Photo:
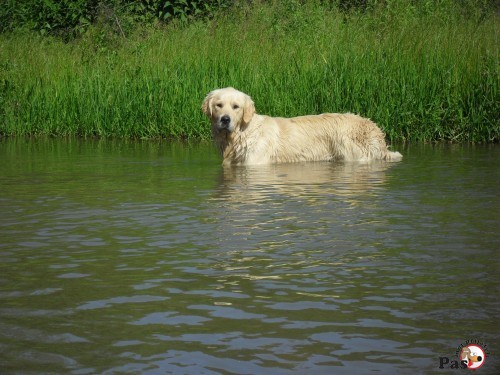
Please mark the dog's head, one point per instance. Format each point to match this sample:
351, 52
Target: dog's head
467, 355
228, 109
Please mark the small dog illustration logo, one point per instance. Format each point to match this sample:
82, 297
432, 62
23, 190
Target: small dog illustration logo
470, 354
473, 355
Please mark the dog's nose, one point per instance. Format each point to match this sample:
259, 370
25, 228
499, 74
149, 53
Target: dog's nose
225, 120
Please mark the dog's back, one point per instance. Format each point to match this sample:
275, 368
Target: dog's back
329, 136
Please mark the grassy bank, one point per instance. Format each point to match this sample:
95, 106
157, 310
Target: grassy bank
423, 73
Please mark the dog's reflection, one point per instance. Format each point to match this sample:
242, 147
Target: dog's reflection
274, 220
310, 181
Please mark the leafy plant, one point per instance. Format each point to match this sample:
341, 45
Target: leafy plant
70, 18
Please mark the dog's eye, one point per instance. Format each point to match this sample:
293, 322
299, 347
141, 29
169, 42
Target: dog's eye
236, 106
218, 105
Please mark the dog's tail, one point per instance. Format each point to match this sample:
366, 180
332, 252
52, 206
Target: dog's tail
393, 156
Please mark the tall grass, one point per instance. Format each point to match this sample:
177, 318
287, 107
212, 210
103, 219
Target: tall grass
423, 73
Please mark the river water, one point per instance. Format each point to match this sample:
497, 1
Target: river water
150, 258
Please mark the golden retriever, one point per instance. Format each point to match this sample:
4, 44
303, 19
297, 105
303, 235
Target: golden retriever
245, 137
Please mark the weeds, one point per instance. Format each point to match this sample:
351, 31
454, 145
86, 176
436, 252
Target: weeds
423, 73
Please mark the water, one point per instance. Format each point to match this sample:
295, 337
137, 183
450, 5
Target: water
129, 257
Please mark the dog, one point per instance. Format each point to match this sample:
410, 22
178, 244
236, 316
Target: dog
469, 357
244, 137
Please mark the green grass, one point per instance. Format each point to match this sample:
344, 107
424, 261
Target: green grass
423, 74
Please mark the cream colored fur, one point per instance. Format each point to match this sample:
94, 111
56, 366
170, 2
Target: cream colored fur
245, 137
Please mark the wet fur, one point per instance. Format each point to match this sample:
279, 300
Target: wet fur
249, 138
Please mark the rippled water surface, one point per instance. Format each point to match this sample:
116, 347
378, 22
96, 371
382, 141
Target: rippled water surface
151, 258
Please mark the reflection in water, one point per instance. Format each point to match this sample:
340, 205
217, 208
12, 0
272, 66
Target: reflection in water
171, 264
299, 208
308, 180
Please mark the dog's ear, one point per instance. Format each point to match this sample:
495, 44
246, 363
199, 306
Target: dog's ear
248, 110
206, 106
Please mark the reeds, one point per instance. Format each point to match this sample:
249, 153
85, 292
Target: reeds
421, 74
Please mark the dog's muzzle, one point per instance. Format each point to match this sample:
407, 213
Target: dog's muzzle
225, 123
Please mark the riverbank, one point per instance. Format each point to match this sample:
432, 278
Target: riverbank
421, 74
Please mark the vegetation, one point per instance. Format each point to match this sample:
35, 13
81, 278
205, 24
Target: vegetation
423, 70
71, 18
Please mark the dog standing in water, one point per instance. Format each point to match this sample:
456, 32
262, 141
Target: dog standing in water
245, 137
